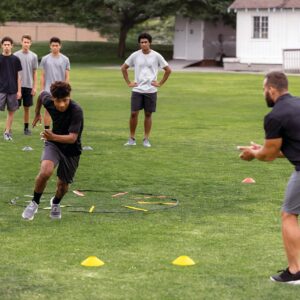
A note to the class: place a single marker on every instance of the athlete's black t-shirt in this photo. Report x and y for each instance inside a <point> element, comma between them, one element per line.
<point>9,67</point>
<point>284,122</point>
<point>69,121</point>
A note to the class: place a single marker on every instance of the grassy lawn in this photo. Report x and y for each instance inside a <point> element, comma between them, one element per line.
<point>231,230</point>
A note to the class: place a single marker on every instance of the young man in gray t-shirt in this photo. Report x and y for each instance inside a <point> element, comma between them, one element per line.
<point>29,61</point>
<point>146,63</point>
<point>55,67</point>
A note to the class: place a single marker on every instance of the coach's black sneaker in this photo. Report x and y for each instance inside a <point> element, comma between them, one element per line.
<point>55,212</point>
<point>285,276</point>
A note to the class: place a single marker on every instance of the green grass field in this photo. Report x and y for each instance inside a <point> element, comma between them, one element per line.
<point>231,230</point>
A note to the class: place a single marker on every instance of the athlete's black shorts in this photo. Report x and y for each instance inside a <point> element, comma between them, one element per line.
<point>146,101</point>
<point>26,97</point>
<point>67,165</point>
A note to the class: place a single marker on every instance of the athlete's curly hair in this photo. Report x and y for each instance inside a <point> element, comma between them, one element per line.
<point>60,89</point>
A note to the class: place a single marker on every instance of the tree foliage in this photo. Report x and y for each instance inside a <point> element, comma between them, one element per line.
<point>111,17</point>
<point>210,10</point>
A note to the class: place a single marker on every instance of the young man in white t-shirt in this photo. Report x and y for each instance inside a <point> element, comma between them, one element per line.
<point>146,63</point>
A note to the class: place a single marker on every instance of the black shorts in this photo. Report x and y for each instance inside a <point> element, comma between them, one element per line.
<point>67,165</point>
<point>26,97</point>
<point>143,101</point>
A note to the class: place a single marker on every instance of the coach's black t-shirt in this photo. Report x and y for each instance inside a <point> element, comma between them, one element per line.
<point>284,122</point>
<point>9,67</point>
<point>69,121</point>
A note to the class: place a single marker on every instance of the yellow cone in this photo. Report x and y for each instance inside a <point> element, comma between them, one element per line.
<point>92,261</point>
<point>183,261</point>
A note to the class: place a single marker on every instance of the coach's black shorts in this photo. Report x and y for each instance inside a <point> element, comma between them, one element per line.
<point>143,101</point>
<point>67,165</point>
<point>26,97</point>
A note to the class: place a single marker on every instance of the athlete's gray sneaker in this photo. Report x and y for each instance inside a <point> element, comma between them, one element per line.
<point>146,143</point>
<point>30,211</point>
<point>55,212</point>
<point>130,142</point>
<point>27,131</point>
<point>7,136</point>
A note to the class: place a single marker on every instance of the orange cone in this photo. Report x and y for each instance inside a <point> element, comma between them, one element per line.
<point>248,180</point>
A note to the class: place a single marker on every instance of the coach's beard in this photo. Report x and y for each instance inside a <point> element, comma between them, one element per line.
<point>269,100</point>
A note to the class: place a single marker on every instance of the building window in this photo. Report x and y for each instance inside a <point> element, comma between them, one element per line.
<point>260,27</point>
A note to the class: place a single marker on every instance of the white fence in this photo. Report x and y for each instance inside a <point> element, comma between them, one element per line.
<point>291,60</point>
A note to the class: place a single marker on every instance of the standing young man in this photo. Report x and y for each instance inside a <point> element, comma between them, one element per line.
<point>282,139</point>
<point>62,146</point>
<point>10,83</point>
<point>144,87</point>
<point>29,61</point>
<point>55,67</point>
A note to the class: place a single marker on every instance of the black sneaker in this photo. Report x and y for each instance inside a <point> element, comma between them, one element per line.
<point>27,131</point>
<point>285,276</point>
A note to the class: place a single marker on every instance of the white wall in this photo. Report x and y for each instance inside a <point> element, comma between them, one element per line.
<point>188,39</point>
<point>284,32</point>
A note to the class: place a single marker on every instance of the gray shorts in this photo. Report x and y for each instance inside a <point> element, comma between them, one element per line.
<point>143,101</point>
<point>67,165</point>
<point>10,100</point>
<point>291,202</point>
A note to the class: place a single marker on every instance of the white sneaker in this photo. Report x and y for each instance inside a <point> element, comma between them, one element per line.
<point>146,143</point>
<point>30,211</point>
<point>130,142</point>
<point>7,136</point>
<point>55,212</point>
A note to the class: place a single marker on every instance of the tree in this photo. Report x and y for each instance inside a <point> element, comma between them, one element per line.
<point>118,16</point>
<point>111,17</point>
<point>211,10</point>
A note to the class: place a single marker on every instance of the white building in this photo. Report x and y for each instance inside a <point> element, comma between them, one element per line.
<point>267,35</point>
<point>198,40</point>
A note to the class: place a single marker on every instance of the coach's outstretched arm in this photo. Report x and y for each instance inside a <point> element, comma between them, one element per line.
<point>268,152</point>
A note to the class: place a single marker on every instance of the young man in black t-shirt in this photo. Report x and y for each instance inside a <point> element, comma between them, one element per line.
<point>62,145</point>
<point>10,83</point>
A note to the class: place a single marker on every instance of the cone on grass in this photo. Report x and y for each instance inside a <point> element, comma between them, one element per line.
<point>92,261</point>
<point>183,261</point>
<point>27,148</point>
<point>248,180</point>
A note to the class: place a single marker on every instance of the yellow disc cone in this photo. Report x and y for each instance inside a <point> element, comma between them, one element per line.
<point>183,261</point>
<point>92,261</point>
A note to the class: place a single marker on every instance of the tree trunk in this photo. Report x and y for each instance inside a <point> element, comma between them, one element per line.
<point>122,41</point>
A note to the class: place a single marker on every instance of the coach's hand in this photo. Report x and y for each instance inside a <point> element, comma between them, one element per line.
<point>37,118</point>
<point>247,153</point>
